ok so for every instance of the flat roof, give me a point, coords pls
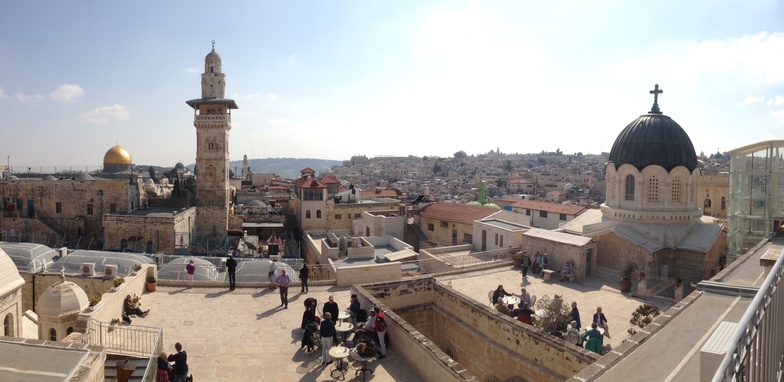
(23, 362)
(504, 224)
(559, 237)
(155, 212)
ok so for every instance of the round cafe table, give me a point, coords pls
(340, 353)
(343, 328)
(511, 300)
(342, 315)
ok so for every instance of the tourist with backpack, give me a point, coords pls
(381, 331)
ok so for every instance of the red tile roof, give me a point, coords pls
(549, 207)
(459, 213)
(329, 179)
(310, 183)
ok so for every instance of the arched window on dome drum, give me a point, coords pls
(52, 334)
(676, 190)
(653, 189)
(8, 325)
(723, 203)
(629, 187)
(318, 214)
(307, 214)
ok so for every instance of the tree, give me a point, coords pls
(460, 154)
(189, 186)
(508, 166)
(642, 316)
(152, 175)
(231, 174)
(176, 189)
(557, 313)
(436, 168)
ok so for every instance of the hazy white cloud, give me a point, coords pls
(31, 98)
(752, 99)
(779, 100)
(2, 93)
(279, 122)
(192, 69)
(105, 114)
(67, 93)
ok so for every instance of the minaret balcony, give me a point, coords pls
(214, 118)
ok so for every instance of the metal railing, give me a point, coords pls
(757, 353)
(136, 341)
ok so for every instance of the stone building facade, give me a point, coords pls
(151, 231)
(10, 297)
(70, 207)
(714, 190)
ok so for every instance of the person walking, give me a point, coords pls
(303, 277)
(283, 282)
(328, 333)
(231, 267)
(191, 270)
(180, 368)
(526, 263)
(576, 315)
(271, 275)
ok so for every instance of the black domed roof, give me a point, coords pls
(654, 139)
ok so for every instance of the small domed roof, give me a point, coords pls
(117, 155)
(654, 139)
(49, 177)
(10, 279)
(474, 203)
(491, 205)
(63, 297)
(256, 203)
(85, 176)
(179, 166)
(149, 182)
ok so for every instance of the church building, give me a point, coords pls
(652, 215)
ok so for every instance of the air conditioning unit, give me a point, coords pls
(110, 271)
(88, 269)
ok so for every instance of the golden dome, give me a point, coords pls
(117, 155)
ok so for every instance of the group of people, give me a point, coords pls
(177, 372)
(372, 326)
(537, 265)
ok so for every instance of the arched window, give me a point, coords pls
(69, 330)
(149, 246)
(8, 325)
(723, 203)
(629, 187)
(307, 214)
(707, 203)
(676, 190)
(653, 189)
(318, 214)
(123, 244)
(52, 334)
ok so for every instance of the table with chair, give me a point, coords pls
(363, 362)
(343, 314)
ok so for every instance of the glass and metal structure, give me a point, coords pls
(756, 205)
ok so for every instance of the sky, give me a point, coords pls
(333, 79)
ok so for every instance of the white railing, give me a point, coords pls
(131, 340)
(757, 353)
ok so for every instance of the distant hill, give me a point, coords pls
(288, 168)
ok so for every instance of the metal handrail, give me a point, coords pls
(757, 350)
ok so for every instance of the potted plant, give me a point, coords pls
(95, 300)
(517, 258)
(626, 274)
(152, 284)
(118, 281)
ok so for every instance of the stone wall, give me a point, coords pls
(350, 275)
(444, 234)
(11, 304)
(559, 253)
(480, 338)
(160, 230)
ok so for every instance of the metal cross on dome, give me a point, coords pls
(656, 91)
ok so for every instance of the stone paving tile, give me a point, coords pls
(246, 335)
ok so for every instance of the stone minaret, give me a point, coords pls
(245, 168)
(212, 119)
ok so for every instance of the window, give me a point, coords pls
(542, 214)
(338, 216)
(501, 242)
(653, 189)
(318, 214)
(431, 227)
(629, 187)
(312, 195)
(676, 190)
(112, 208)
(444, 224)
(89, 209)
(357, 216)
(52, 334)
(527, 212)
(307, 214)
(723, 203)
(69, 330)
(562, 217)
(496, 239)
(58, 207)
